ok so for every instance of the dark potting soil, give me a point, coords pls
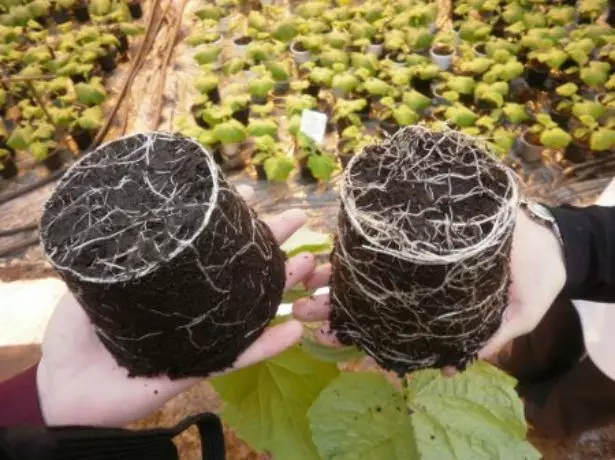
(443, 50)
(298, 46)
(174, 282)
(417, 330)
(243, 40)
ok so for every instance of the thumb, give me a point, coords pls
(512, 326)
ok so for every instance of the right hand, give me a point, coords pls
(538, 276)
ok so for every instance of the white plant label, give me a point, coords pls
(314, 125)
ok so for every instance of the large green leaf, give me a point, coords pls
(474, 415)
(602, 139)
(330, 354)
(90, 94)
(278, 168)
(266, 404)
(306, 240)
(321, 166)
(555, 138)
(361, 416)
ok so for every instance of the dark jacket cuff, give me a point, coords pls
(19, 403)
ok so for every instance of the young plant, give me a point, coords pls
(344, 84)
(547, 133)
(270, 156)
(318, 161)
(592, 134)
(260, 88)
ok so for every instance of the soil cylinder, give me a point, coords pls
(420, 271)
(175, 271)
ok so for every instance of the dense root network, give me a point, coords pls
(175, 271)
(420, 264)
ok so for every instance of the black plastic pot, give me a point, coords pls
(259, 100)
(78, 78)
(54, 161)
(242, 115)
(135, 10)
(4, 146)
(81, 13)
(365, 111)
(107, 62)
(304, 171)
(9, 168)
(577, 153)
(216, 151)
(123, 41)
(312, 90)
(342, 124)
(44, 21)
(498, 29)
(561, 119)
(82, 138)
(536, 76)
(60, 15)
(214, 95)
(422, 86)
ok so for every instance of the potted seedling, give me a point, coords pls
(300, 53)
(60, 10)
(595, 75)
(80, 9)
(280, 72)
(338, 39)
(315, 163)
(231, 134)
(286, 30)
(343, 84)
(376, 89)
(453, 88)
(260, 88)
(86, 126)
(270, 161)
(460, 116)
(587, 138)
(208, 54)
(560, 108)
(515, 114)
(416, 101)
(319, 78)
(544, 133)
(208, 85)
(424, 75)
(8, 168)
(348, 113)
(489, 96)
(204, 34)
(263, 127)
(351, 141)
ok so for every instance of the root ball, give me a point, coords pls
(421, 260)
(176, 272)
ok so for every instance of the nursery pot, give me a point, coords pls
(107, 62)
(9, 168)
(479, 50)
(135, 10)
(528, 148)
(304, 172)
(181, 291)
(536, 74)
(430, 275)
(442, 56)
(54, 161)
(214, 95)
(82, 137)
(300, 54)
(242, 115)
(281, 87)
(389, 126)
(123, 41)
(78, 78)
(576, 152)
(422, 86)
(240, 45)
(313, 90)
(259, 100)
(60, 15)
(376, 47)
(81, 13)
(560, 118)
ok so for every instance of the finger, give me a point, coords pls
(326, 336)
(449, 371)
(319, 278)
(274, 341)
(246, 192)
(314, 308)
(505, 334)
(285, 224)
(299, 267)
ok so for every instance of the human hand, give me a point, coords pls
(538, 275)
(80, 383)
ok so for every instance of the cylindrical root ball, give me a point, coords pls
(176, 272)
(421, 259)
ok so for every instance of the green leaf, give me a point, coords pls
(260, 127)
(321, 166)
(99, 7)
(306, 240)
(90, 94)
(20, 138)
(230, 132)
(330, 354)
(462, 85)
(603, 139)
(405, 116)
(361, 416)
(91, 119)
(266, 404)
(474, 415)
(555, 138)
(516, 113)
(415, 100)
(567, 89)
(278, 168)
(40, 149)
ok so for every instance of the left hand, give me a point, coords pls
(79, 382)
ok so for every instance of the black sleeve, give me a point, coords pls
(80, 443)
(589, 251)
